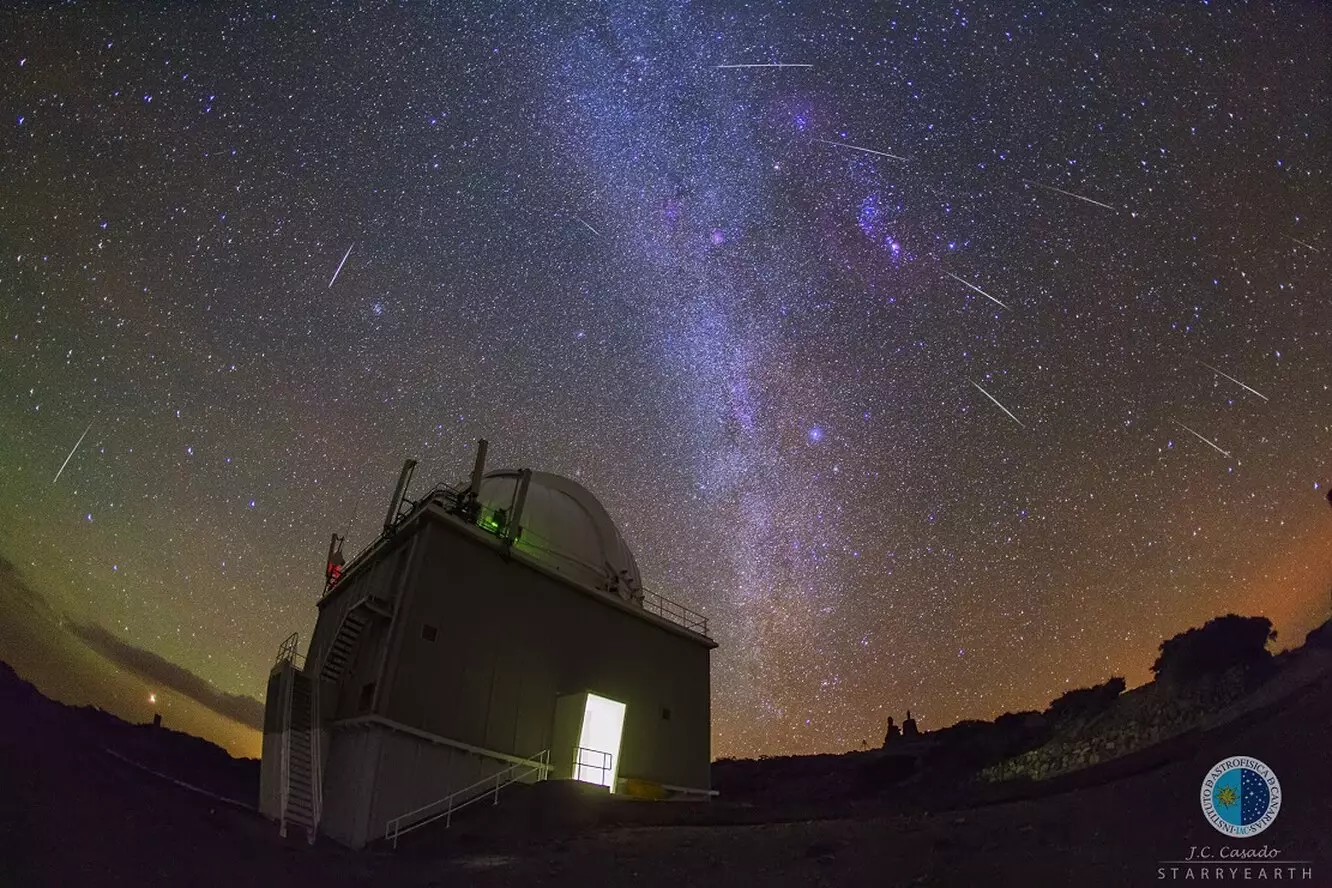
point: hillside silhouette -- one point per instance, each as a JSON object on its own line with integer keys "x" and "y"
{"x": 1094, "y": 789}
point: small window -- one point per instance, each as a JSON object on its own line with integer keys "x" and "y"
{"x": 367, "y": 697}
{"x": 665, "y": 713}
{"x": 429, "y": 633}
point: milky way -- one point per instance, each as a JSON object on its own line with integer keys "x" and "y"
{"x": 765, "y": 313}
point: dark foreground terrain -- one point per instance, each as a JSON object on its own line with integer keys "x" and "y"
{"x": 87, "y": 800}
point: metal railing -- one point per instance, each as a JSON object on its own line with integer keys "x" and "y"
{"x": 284, "y": 783}
{"x": 316, "y": 772}
{"x": 593, "y": 766}
{"x": 486, "y": 787}
{"x": 485, "y": 519}
{"x": 676, "y": 612}
{"x": 406, "y": 509}
{"x": 652, "y": 602}
{"x": 287, "y": 652}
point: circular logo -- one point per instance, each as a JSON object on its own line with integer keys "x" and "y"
{"x": 1240, "y": 796}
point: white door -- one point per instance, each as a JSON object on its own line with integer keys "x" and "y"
{"x": 597, "y": 759}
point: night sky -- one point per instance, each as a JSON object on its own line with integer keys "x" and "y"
{"x": 951, "y": 370}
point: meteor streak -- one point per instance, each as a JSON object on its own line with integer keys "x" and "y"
{"x": 1302, "y": 243}
{"x": 978, "y": 290}
{"x": 858, "y": 148}
{"x": 588, "y": 227}
{"x": 770, "y": 65}
{"x": 1069, "y": 193}
{"x": 997, "y": 404}
{"x": 340, "y": 264}
{"x": 1224, "y": 453}
{"x": 1234, "y": 380}
{"x": 71, "y": 453}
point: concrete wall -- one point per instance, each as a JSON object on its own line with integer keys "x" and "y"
{"x": 351, "y": 755}
{"x": 510, "y": 640}
{"x": 387, "y": 773}
{"x": 380, "y": 577}
{"x": 415, "y": 772}
{"x": 360, "y": 672}
{"x": 270, "y": 766}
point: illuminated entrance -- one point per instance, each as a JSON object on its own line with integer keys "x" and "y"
{"x": 588, "y": 731}
{"x": 598, "y": 758}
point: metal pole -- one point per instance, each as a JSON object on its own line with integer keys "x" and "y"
{"x": 398, "y": 493}
{"x": 519, "y": 502}
{"x": 478, "y": 468}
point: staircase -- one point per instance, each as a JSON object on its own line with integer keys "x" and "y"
{"x": 301, "y": 797}
{"x": 343, "y": 648}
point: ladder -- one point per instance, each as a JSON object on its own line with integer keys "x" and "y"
{"x": 301, "y": 791}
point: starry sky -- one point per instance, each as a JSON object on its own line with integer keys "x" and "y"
{"x": 951, "y": 361}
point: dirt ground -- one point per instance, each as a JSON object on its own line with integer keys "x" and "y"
{"x": 71, "y": 815}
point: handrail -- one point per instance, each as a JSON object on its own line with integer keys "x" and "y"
{"x": 539, "y": 764}
{"x": 287, "y": 652}
{"x": 652, "y": 602}
{"x": 674, "y": 611}
{"x": 581, "y": 764}
{"x": 444, "y": 491}
{"x": 284, "y": 784}
{"x": 316, "y": 773}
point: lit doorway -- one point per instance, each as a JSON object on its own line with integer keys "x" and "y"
{"x": 597, "y": 758}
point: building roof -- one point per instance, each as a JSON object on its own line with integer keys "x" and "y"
{"x": 565, "y": 528}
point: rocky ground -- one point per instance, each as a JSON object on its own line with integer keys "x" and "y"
{"x": 75, "y": 814}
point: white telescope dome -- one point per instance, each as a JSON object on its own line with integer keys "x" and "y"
{"x": 566, "y": 529}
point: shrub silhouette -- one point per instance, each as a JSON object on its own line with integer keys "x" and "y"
{"x": 1086, "y": 702}
{"x": 1221, "y": 644}
{"x": 1320, "y": 637}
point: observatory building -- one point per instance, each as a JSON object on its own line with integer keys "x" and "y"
{"x": 496, "y": 632}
